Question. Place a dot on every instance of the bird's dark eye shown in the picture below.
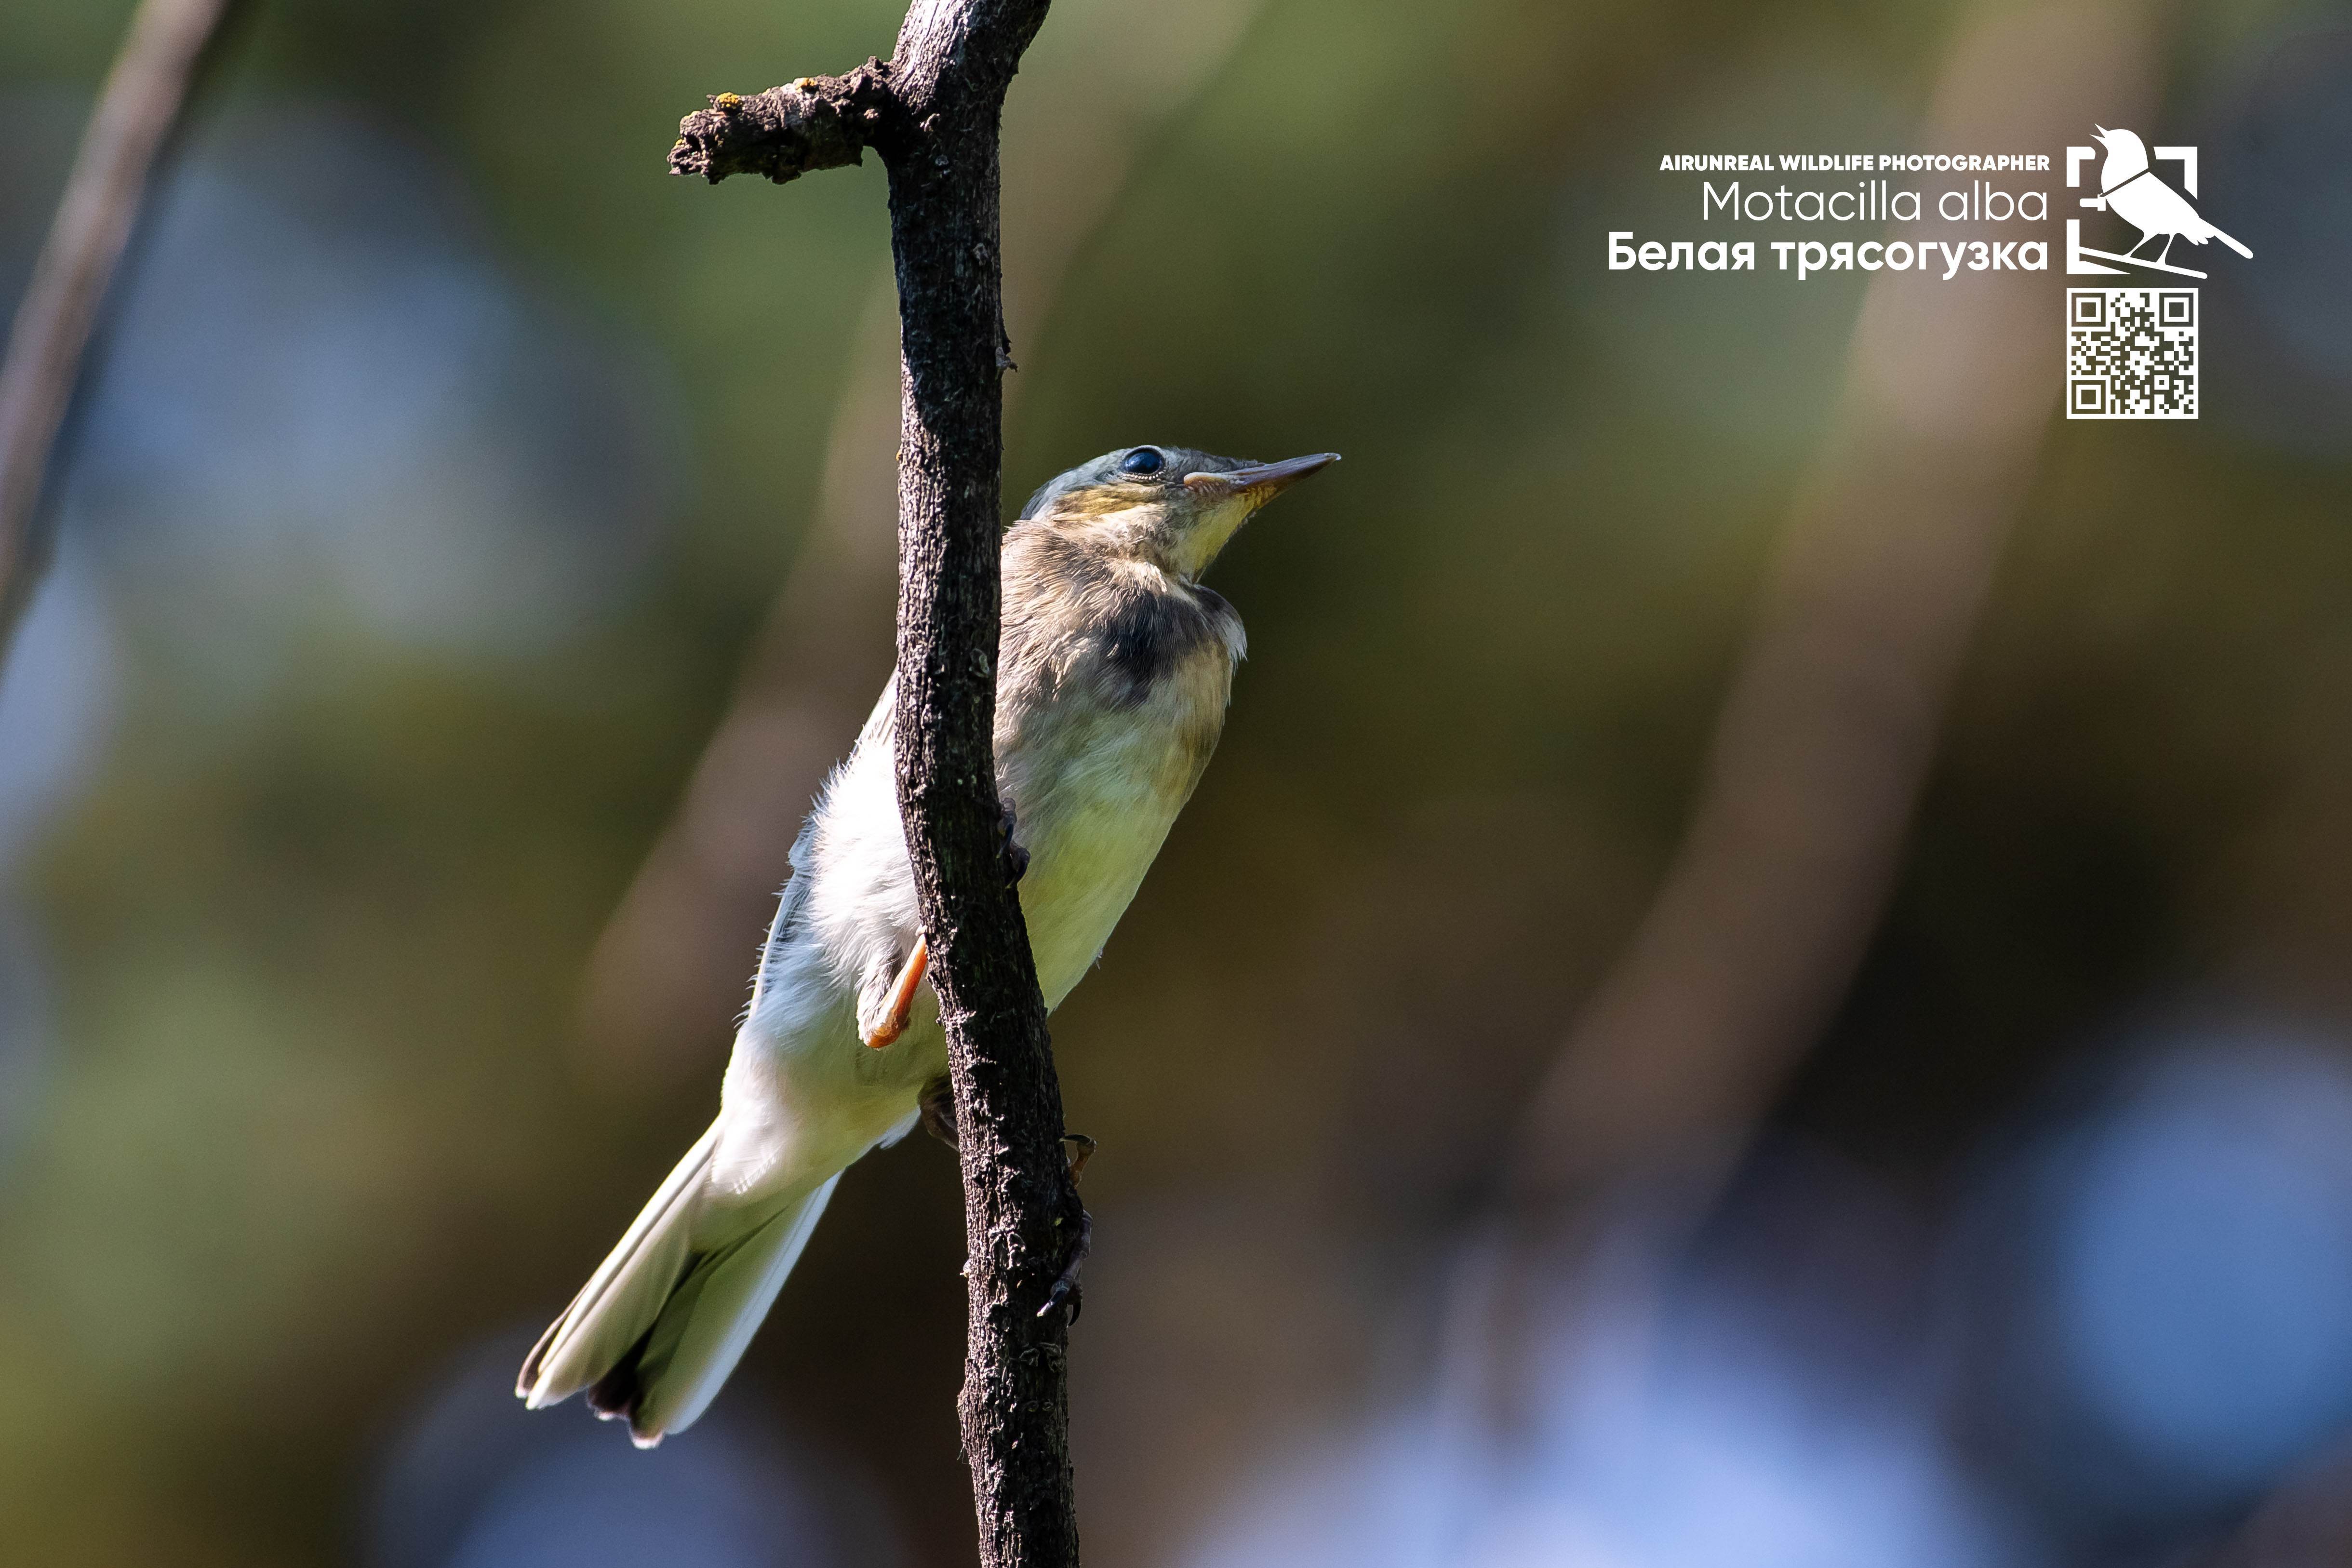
(1142, 460)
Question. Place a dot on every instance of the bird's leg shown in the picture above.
(937, 1108)
(2167, 248)
(1016, 855)
(918, 962)
(1078, 1149)
(937, 1111)
(902, 996)
(2137, 244)
(1065, 1288)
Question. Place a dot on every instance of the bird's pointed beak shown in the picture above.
(2099, 134)
(1261, 482)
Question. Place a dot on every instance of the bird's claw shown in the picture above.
(1066, 1284)
(937, 1111)
(1078, 1149)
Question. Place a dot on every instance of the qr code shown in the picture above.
(2131, 354)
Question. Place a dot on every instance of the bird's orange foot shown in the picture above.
(902, 997)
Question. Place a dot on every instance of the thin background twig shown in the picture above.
(1829, 731)
(145, 97)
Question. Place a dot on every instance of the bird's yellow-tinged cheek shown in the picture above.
(1214, 526)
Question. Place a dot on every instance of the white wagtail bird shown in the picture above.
(1113, 674)
(2141, 199)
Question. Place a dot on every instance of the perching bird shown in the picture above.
(1113, 673)
(2127, 184)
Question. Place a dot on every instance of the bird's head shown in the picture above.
(2127, 153)
(1171, 506)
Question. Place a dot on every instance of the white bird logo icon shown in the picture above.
(2129, 187)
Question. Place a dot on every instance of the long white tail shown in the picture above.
(654, 1334)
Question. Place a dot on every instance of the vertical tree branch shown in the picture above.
(144, 98)
(1020, 1209)
(659, 994)
(933, 114)
(954, 62)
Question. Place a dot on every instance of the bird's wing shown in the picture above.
(792, 902)
(878, 723)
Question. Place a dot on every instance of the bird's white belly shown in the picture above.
(1095, 791)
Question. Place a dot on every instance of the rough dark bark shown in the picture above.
(144, 97)
(817, 122)
(932, 112)
(1021, 1213)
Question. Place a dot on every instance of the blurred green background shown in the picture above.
(441, 468)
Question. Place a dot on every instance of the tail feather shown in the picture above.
(666, 1317)
(2233, 244)
(674, 1372)
(623, 1297)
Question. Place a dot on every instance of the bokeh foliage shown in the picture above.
(315, 1125)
